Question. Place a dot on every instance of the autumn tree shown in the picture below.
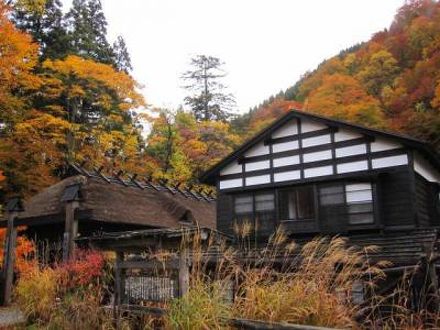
(17, 61)
(208, 99)
(185, 147)
(380, 71)
(95, 100)
(342, 97)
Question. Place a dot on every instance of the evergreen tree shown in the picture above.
(88, 31)
(44, 21)
(208, 100)
(121, 56)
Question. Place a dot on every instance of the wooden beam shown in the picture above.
(9, 259)
(119, 287)
(150, 264)
(70, 230)
(183, 272)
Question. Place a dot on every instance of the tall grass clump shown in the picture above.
(283, 282)
(203, 307)
(310, 285)
(36, 293)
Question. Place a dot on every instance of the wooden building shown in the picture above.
(88, 203)
(313, 175)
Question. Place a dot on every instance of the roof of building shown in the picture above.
(209, 176)
(112, 199)
(399, 248)
(146, 239)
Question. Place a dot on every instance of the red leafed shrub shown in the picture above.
(83, 270)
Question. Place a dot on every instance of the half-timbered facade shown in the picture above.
(311, 174)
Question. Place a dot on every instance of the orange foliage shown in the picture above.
(391, 81)
(24, 252)
(342, 97)
(18, 58)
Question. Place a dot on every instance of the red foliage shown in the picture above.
(24, 251)
(83, 270)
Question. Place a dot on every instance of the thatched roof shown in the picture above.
(114, 200)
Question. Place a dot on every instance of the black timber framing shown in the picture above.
(352, 175)
(210, 175)
(305, 150)
(337, 161)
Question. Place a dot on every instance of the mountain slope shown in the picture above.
(390, 82)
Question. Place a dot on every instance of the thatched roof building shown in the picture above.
(107, 203)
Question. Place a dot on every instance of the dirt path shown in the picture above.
(10, 316)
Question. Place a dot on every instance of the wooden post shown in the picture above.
(183, 272)
(13, 207)
(9, 259)
(70, 230)
(119, 289)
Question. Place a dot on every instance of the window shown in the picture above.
(353, 201)
(243, 204)
(264, 202)
(359, 197)
(297, 204)
(265, 213)
(332, 195)
(258, 210)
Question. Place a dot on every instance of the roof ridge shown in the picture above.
(147, 183)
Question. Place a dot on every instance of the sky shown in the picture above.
(266, 44)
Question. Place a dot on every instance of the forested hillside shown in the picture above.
(391, 82)
(66, 94)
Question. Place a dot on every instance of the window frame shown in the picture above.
(253, 215)
(295, 189)
(346, 205)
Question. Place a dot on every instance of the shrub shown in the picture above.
(86, 268)
(203, 307)
(67, 296)
(36, 293)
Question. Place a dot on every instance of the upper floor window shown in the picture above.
(359, 198)
(356, 200)
(297, 203)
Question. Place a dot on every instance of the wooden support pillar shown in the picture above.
(9, 259)
(70, 230)
(183, 272)
(119, 289)
(13, 207)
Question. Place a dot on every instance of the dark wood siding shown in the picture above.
(396, 201)
(225, 209)
(425, 199)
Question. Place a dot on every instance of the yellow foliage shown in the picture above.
(17, 60)
(79, 77)
(342, 97)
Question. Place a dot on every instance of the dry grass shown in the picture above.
(309, 284)
(282, 282)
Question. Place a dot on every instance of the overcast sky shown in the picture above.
(266, 44)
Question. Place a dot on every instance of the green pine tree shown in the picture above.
(44, 21)
(121, 56)
(88, 26)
